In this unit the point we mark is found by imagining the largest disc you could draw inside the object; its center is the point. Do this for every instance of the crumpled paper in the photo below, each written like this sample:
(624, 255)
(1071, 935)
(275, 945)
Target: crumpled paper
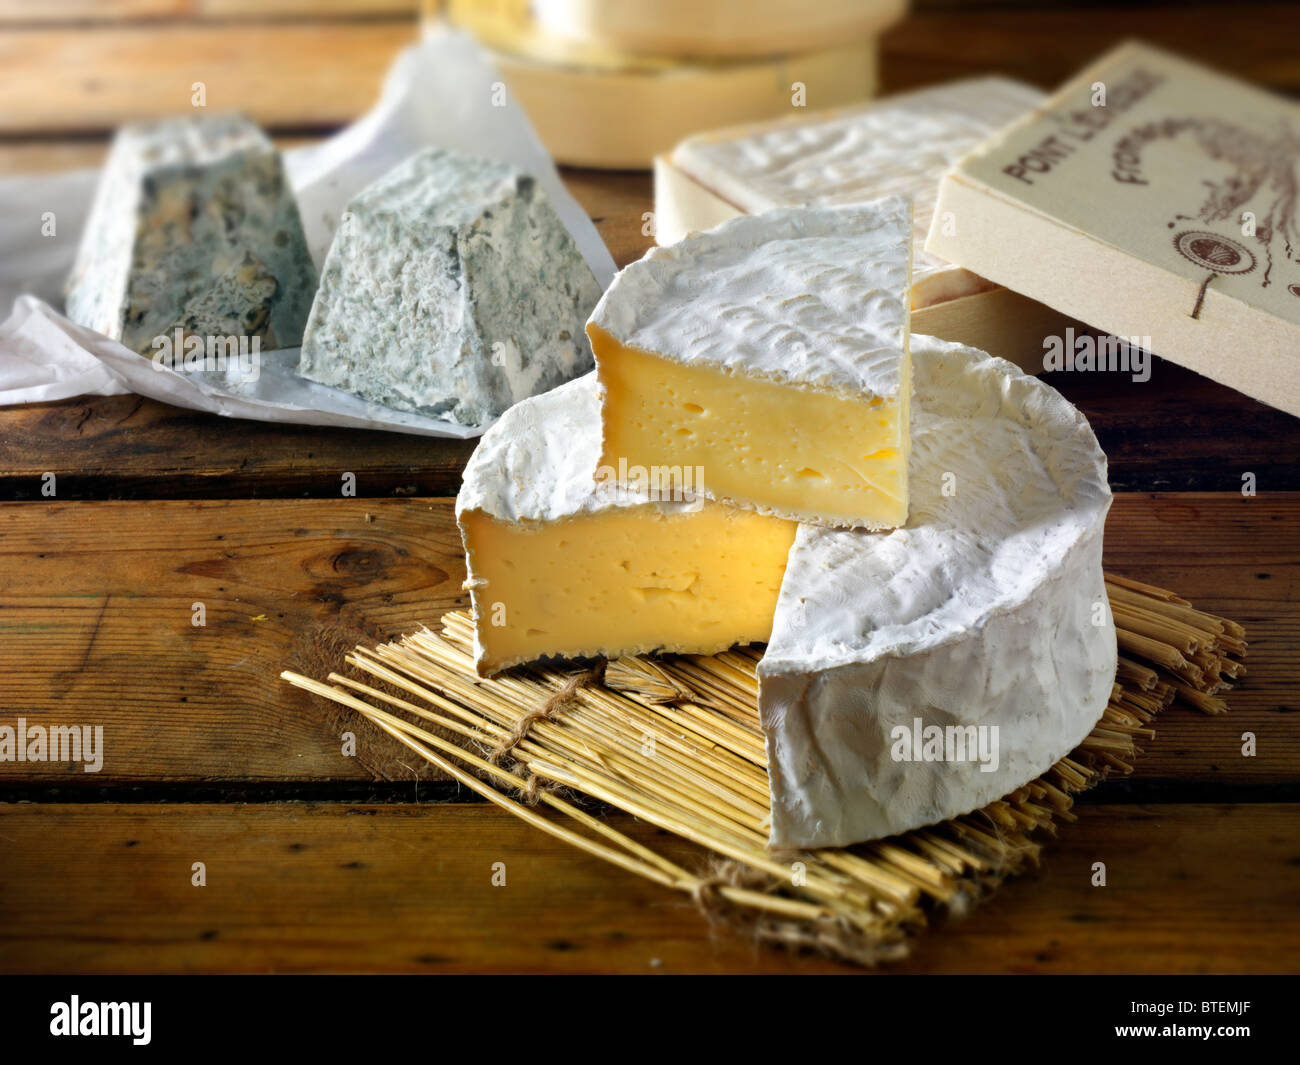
(439, 92)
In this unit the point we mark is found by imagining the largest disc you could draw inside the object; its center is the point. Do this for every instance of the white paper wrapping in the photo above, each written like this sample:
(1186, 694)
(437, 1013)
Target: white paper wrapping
(439, 93)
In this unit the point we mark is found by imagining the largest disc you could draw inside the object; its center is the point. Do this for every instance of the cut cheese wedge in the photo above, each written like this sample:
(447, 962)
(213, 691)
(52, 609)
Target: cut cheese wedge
(984, 618)
(561, 564)
(896, 146)
(984, 621)
(767, 361)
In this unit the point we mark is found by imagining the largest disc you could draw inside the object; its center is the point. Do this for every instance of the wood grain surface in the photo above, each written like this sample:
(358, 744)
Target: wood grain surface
(323, 70)
(387, 869)
(302, 75)
(1044, 45)
(1178, 432)
(102, 595)
(354, 888)
(55, 12)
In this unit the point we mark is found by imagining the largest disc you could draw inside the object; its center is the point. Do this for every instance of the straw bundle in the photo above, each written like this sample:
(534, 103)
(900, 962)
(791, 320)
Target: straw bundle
(675, 741)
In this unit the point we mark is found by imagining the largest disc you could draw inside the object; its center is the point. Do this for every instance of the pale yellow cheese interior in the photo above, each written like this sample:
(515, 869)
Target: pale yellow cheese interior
(809, 455)
(623, 581)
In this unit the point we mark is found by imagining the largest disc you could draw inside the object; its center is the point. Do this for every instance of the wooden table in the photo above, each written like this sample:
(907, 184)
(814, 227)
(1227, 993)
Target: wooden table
(311, 862)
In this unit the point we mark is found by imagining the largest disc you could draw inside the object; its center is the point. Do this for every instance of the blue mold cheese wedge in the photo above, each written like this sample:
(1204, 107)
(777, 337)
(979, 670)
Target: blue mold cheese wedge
(770, 355)
(193, 227)
(983, 621)
(451, 289)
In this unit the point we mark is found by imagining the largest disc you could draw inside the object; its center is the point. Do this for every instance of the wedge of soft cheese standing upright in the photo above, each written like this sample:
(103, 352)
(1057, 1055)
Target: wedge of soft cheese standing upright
(896, 146)
(765, 363)
(563, 562)
(451, 289)
(899, 145)
(194, 227)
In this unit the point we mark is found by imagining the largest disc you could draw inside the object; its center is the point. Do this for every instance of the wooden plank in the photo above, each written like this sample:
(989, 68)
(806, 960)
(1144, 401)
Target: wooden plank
(128, 446)
(1044, 47)
(618, 203)
(290, 888)
(26, 13)
(21, 157)
(299, 75)
(40, 156)
(219, 9)
(1188, 890)
(321, 73)
(98, 598)
(96, 602)
(1235, 556)
(1180, 431)
(1177, 432)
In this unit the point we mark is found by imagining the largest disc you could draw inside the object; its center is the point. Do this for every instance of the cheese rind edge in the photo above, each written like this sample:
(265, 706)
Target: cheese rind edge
(988, 608)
